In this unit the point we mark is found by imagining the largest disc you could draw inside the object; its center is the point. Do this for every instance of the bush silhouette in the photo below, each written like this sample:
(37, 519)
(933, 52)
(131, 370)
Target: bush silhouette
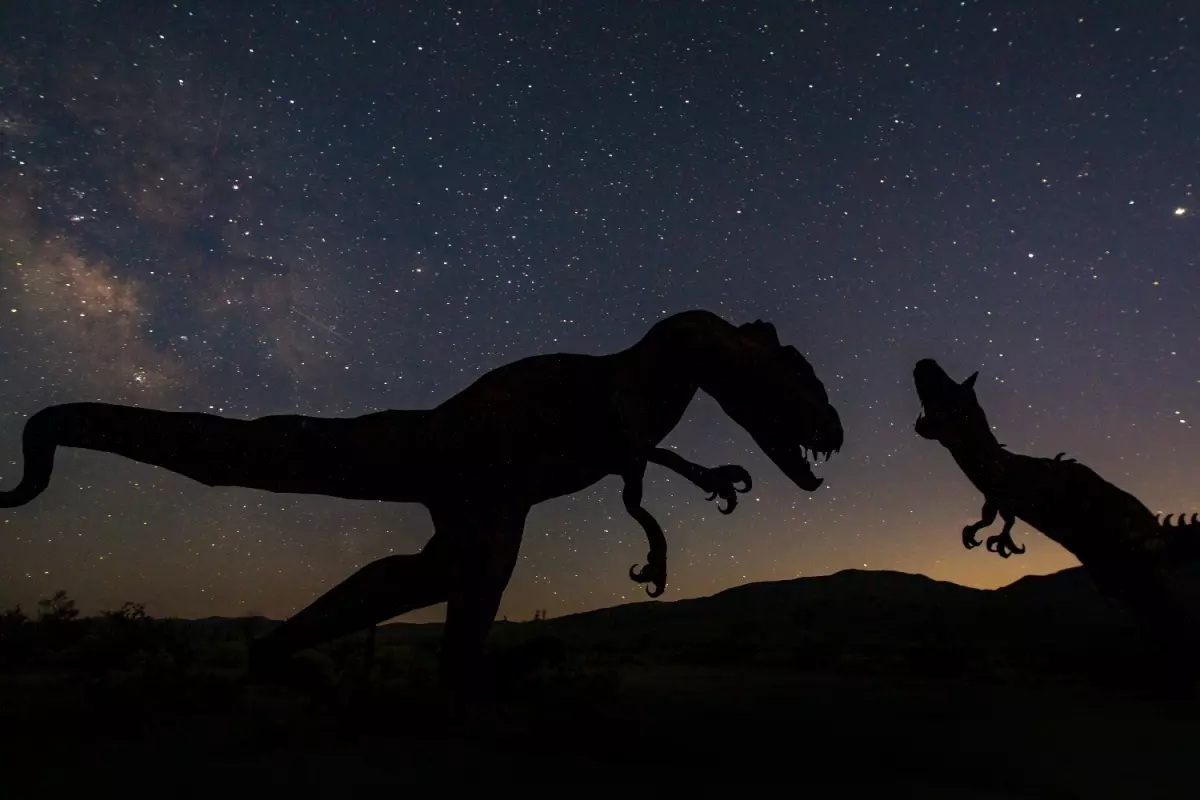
(15, 638)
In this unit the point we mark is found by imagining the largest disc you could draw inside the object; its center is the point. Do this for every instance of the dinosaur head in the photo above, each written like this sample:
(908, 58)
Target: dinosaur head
(950, 412)
(773, 393)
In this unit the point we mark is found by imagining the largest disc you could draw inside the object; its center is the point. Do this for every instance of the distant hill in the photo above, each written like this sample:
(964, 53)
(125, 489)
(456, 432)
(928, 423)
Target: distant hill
(874, 620)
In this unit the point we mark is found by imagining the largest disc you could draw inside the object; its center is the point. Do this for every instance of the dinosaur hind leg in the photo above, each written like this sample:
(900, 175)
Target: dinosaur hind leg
(486, 546)
(383, 589)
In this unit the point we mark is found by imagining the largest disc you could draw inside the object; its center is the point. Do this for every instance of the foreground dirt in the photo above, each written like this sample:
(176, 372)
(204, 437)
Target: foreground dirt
(658, 727)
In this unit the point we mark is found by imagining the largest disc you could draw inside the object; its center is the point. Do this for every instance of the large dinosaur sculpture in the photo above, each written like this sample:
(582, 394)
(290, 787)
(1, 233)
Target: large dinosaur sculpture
(526, 432)
(1121, 543)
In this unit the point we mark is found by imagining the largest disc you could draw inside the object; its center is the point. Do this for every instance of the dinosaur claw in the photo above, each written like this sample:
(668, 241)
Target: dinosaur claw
(724, 482)
(739, 475)
(968, 538)
(1004, 546)
(654, 573)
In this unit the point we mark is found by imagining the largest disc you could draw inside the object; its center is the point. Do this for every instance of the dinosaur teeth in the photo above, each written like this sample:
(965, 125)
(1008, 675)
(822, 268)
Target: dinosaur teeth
(814, 456)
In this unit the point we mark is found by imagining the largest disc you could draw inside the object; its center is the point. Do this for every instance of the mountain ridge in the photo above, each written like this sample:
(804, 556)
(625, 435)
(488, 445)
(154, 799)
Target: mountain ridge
(1074, 574)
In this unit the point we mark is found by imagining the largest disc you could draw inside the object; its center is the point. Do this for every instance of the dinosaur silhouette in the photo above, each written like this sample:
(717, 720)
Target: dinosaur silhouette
(526, 432)
(1121, 543)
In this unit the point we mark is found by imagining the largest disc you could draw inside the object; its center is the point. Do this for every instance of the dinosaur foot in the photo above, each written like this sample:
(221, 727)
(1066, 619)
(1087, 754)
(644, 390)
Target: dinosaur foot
(1003, 545)
(722, 482)
(654, 573)
(968, 537)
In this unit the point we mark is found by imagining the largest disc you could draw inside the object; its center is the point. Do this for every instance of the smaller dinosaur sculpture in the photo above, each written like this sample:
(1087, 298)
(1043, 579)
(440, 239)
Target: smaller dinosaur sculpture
(1122, 544)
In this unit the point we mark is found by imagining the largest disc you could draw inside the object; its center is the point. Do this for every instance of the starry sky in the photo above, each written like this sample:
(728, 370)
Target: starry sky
(334, 208)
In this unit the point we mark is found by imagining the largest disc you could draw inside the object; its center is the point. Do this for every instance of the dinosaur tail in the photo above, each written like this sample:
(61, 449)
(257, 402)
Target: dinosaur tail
(38, 446)
(181, 442)
(282, 453)
(1182, 538)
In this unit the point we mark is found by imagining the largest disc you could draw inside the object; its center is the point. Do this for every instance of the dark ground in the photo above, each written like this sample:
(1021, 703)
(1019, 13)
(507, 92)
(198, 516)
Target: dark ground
(636, 728)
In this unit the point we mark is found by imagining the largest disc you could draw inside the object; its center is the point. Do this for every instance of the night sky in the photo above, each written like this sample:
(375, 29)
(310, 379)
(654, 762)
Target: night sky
(336, 208)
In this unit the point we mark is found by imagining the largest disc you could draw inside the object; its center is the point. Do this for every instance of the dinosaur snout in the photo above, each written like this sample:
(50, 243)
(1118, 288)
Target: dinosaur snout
(830, 435)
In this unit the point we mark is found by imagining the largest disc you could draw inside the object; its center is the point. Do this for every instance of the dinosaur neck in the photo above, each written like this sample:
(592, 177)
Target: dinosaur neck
(660, 370)
(693, 349)
(981, 459)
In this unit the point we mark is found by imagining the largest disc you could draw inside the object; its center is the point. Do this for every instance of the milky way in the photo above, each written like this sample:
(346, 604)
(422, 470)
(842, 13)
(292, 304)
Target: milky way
(332, 209)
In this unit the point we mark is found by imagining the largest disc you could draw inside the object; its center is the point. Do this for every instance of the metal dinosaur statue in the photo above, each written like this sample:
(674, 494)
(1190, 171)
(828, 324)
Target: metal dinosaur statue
(534, 429)
(1122, 544)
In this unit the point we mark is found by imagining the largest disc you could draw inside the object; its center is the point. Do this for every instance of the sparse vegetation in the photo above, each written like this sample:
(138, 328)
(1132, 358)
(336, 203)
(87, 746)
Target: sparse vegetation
(844, 664)
(885, 626)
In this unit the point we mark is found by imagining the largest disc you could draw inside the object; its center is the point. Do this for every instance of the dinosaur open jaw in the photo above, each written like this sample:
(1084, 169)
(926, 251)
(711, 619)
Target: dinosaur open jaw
(927, 425)
(791, 441)
(923, 427)
(934, 389)
(932, 382)
(797, 463)
(804, 477)
(772, 392)
(795, 443)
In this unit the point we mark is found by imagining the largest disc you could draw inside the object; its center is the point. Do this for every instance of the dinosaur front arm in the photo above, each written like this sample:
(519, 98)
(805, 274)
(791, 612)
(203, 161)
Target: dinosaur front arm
(655, 571)
(717, 481)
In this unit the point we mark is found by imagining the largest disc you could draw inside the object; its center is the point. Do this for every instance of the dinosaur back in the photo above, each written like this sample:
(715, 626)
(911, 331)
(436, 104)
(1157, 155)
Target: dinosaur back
(1070, 503)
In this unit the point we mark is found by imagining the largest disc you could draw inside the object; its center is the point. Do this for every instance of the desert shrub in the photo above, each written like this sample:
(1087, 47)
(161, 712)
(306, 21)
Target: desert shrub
(128, 639)
(56, 629)
(227, 654)
(16, 637)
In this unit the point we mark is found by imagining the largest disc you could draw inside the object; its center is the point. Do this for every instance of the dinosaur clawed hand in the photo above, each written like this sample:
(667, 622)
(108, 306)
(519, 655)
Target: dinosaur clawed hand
(968, 536)
(1003, 544)
(722, 482)
(654, 573)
